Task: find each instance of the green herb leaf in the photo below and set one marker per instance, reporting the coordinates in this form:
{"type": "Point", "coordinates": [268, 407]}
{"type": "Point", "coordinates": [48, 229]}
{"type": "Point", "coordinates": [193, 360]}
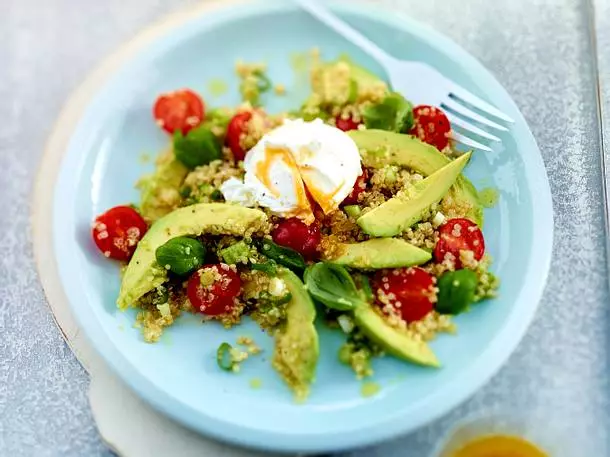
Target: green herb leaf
{"type": "Point", "coordinates": [182, 255]}
{"type": "Point", "coordinates": [456, 291]}
{"type": "Point", "coordinates": [223, 357]}
{"type": "Point", "coordinates": [332, 285]}
{"type": "Point", "coordinates": [394, 114]}
{"type": "Point", "coordinates": [269, 268]}
{"type": "Point", "coordinates": [282, 255]}
{"type": "Point", "coordinates": [199, 147]}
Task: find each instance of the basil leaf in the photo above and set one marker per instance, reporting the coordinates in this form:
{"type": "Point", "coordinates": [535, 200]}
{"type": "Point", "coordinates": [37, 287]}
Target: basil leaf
{"type": "Point", "coordinates": [269, 268]}
{"type": "Point", "coordinates": [282, 255]}
{"type": "Point", "coordinates": [456, 291]}
{"type": "Point", "coordinates": [332, 285]}
{"type": "Point", "coordinates": [181, 255]}
{"type": "Point", "coordinates": [198, 147]}
{"type": "Point", "coordinates": [364, 286]}
{"type": "Point", "coordinates": [394, 114]}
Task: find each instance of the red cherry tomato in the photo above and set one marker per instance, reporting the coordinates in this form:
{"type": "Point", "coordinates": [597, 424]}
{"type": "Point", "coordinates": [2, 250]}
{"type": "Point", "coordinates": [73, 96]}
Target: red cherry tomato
{"type": "Point", "coordinates": [295, 234]}
{"type": "Point", "coordinates": [459, 235]}
{"type": "Point", "coordinates": [216, 293]}
{"type": "Point", "coordinates": [180, 110]}
{"type": "Point", "coordinates": [409, 290]}
{"type": "Point", "coordinates": [346, 124]}
{"type": "Point", "coordinates": [237, 125]}
{"type": "Point", "coordinates": [359, 187]}
{"type": "Point", "coordinates": [431, 126]}
{"type": "Point", "coordinates": [118, 231]}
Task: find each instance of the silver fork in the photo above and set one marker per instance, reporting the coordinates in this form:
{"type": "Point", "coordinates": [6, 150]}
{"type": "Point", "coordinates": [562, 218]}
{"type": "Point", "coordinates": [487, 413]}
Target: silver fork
{"type": "Point", "coordinates": [422, 84]}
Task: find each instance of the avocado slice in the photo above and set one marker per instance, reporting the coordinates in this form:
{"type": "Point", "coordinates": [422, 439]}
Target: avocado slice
{"type": "Point", "coordinates": [143, 273]}
{"type": "Point", "coordinates": [380, 253]}
{"type": "Point", "coordinates": [406, 208]}
{"type": "Point", "coordinates": [379, 148]}
{"type": "Point", "coordinates": [160, 191]}
{"type": "Point", "coordinates": [296, 343]}
{"type": "Point", "coordinates": [397, 343]}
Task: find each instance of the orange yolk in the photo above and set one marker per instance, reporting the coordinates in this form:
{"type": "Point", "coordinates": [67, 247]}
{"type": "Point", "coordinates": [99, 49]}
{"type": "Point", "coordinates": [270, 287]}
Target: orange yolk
{"type": "Point", "coordinates": [263, 173]}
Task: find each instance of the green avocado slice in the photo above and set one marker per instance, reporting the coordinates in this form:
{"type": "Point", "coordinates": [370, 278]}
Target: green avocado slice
{"type": "Point", "coordinates": [396, 342]}
{"type": "Point", "coordinates": [160, 191]}
{"type": "Point", "coordinates": [143, 273]}
{"type": "Point", "coordinates": [379, 148]}
{"type": "Point", "coordinates": [380, 253]}
{"type": "Point", "coordinates": [406, 208]}
{"type": "Point", "coordinates": [296, 344]}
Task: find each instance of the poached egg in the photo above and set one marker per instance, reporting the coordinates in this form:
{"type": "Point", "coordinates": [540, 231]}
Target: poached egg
{"type": "Point", "coordinates": [294, 163]}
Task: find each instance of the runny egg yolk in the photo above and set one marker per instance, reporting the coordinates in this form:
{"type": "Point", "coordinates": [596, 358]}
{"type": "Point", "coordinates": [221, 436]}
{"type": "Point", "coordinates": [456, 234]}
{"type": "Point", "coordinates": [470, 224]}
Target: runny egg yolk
{"type": "Point", "coordinates": [263, 173]}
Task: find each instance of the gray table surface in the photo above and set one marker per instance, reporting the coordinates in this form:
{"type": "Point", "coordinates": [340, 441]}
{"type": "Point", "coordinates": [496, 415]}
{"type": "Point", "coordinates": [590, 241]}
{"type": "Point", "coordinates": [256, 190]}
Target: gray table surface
{"type": "Point", "coordinates": [541, 50]}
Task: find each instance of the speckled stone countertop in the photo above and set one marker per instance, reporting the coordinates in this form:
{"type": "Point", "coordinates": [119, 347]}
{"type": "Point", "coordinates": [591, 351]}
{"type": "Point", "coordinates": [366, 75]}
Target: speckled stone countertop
{"type": "Point", "coordinates": [541, 50]}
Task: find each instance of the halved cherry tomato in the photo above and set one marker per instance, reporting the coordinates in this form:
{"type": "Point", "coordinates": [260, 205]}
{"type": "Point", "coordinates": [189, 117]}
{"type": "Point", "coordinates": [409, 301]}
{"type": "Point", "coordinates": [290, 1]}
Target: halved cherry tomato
{"type": "Point", "coordinates": [359, 187]}
{"type": "Point", "coordinates": [431, 126]}
{"type": "Point", "coordinates": [212, 289]}
{"type": "Point", "coordinates": [346, 124]}
{"type": "Point", "coordinates": [117, 232]}
{"type": "Point", "coordinates": [237, 125]}
{"type": "Point", "coordinates": [295, 234]}
{"type": "Point", "coordinates": [459, 235]}
{"type": "Point", "coordinates": [411, 291]}
{"type": "Point", "coordinates": [181, 110]}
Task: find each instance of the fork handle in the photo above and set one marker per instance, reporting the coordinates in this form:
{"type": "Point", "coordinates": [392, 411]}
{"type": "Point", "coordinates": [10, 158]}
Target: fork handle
{"type": "Point", "coordinates": [324, 15]}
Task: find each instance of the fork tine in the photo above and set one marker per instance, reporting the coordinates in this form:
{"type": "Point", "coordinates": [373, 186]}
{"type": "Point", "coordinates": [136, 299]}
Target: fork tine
{"type": "Point", "coordinates": [468, 97]}
{"type": "Point", "coordinates": [466, 141]}
{"type": "Point", "coordinates": [470, 127]}
{"type": "Point", "coordinates": [458, 108]}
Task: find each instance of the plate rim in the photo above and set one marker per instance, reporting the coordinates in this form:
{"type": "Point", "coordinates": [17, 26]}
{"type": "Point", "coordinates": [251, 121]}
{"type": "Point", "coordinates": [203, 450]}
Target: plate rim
{"type": "Point", "coordinates": [78, 103]}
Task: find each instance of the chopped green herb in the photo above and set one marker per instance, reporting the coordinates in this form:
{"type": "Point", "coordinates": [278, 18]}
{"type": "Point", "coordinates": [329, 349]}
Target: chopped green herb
{"type": "Point", "coordinates": [224, 359]}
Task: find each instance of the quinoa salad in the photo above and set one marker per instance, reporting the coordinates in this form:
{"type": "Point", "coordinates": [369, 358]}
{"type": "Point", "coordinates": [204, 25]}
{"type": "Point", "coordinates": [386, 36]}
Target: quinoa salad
{"type": "Point", "coordinates": [350, 212]}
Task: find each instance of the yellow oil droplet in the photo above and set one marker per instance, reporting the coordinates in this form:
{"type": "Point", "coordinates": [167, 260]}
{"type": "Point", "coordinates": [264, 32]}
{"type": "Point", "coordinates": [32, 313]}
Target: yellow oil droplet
{"type": "Point", "coordinates": [489, 197]}
{"type": "Point", "coordinates": [369, 389]}
{"type": "Point", "coordinates": [299, 61]}
{"type": "Point", "coordinates": [256, 383]}
{"type": "Point", "coordinates": [217, 87]}
{"type": "Point", "coordinates": [500, 446]}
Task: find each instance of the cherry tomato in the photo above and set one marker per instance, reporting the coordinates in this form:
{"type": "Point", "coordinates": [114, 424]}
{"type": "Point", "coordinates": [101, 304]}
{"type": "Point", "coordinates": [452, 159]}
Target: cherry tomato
{"type": "Point", "coordinates": [181, 110]}
{"type": "Point", "coordinates": [237, 125]}
{"type": "Point", "coordinates": [431, 126]}
{"type": "Point", "coordinates": [409, 290]}
{"type": "Point", "coordinates": [212, 289]}
{"type": "Point", "coordinates": [118, 231]}
{"type": "Point", "coordinates": [459, 235]}
{"type": "Point", "coordinates": [295, 234]}
{"type": "Point", "coordinates": [359, 187]}
{"type": "Point", "coordinates": [346, 124]}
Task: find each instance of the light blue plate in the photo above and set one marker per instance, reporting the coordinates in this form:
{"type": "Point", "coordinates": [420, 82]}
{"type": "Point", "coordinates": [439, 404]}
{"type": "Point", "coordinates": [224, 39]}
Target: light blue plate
{"type": "Point", "coordinates": [179, 376]}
